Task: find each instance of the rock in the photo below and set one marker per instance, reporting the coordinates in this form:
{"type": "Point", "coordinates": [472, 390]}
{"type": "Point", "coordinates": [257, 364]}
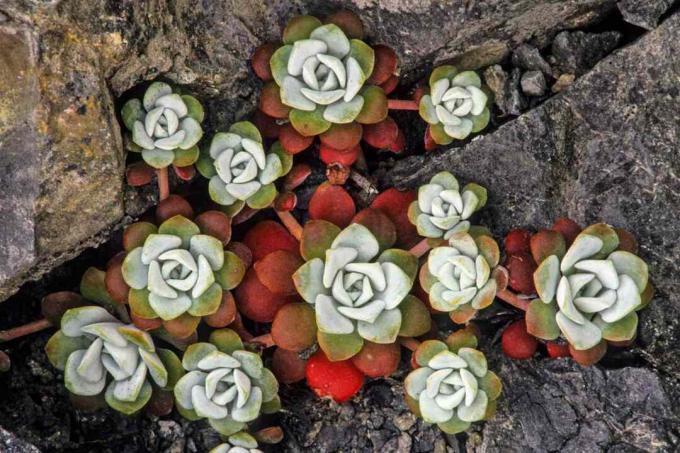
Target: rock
{"type": "Point", "coordinates": [506, 89]}
{"type": "Point", "coordinates": [9, 443]}
{"type": "Point", "coordinates": [644, 14]}
{"type": "Point", "coordinates": [605, 149]}
{"type": "Point", "coordinates": [576, 52]}
{"type": "Point", "coordinates": [528, 57]}
{"type": "Point", "coordinates": [556, 405]}
{"type": "Point", "coordinates": [563, 82]}
{"type": "Point", "coordinates": [533, 83]}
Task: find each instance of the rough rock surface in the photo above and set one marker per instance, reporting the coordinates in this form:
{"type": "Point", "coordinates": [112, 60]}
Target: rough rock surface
{"type": "Point", "coordinates": [62, 158]}
{"type": "Point", "coordinates": [644, 14]}
{"type": "Point", "coordinates": [576, 52]}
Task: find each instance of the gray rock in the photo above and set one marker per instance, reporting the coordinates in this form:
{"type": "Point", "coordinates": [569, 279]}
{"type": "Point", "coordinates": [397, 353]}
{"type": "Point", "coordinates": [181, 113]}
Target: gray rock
{"type": "Point", "coordinates": [528, 57]}
{"type": "Point", "coordinates": [605, 149]}
{"type": "Point", "coordinates": [61, 152]}
{"type": "Point", "coordinates": [9, 443]}
{"type": "Point", "coordinates": [644, 14]}
{"type": "Point", "coordinates": [533, 83]}
{"type": "Point", "coordinates": [576, 52]}
{"type": "Point", "coordinates": [506, 88]}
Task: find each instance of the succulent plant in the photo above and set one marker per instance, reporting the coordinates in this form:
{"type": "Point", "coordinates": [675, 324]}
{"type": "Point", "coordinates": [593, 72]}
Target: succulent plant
{"type": "Point", "coordinates": [458, 277]}
{"type": "Point", "coordinates": [93, 347]}
{"type": "Point", "coordinates": [589, 291]}
{"type": "Point", "coordinates": [240, 442]}
{"type": "Point", "coordinates": [357, 285]}
{"type": "Point", "coordinates": [165, 126]}
{"type": "Point", "coordinates": [455, 106]}
{"type": "Point", "coordinates": [177, 273]}
{"type": "Point", "coordinates": [225, 384]}
{"type": "Point", "coordinates": [452, 386]}
{"type": "Point", "coordinates": [443, 209]}
{"type": "Point", "coordinates": [239, 169]}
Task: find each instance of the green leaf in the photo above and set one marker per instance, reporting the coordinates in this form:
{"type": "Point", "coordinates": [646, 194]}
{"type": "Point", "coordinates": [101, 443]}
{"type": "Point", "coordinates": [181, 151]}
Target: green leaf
{"type": "Point", "coordinates": [622, 330]}
{"type": "Point", "coordinates": [317, 237]}
{"type": "Point", "coordinates": [479, 191]}
{"type": "Point", "coordinates": [269, 385]}
{"type": "Point", "coordinates": [364, 55]}
{"type": "Point", "coordinates": [195, 109]}
{"type": "Point", "coordinates": [406, 261]}
{"type": "Point", "coordinates": [454, 426]}
{"type": "Point", "coordinates": [462, 338]}
{"type": "Point", "coordinates": [93, 287]}
{"type": "Point", "coordinates": [375, 108]}
{"type": "Point", "coordinates": [279, 63]}
{"type": "Point", "coordinates": [132, 111]}
{"type": "Point", "coordinates": [340, 347]}
{"type": "Point", "coordinates": [311, 123]}
{"type": "Point", "coordinates": [631, 265]}
{"type": "Point", "coordinates": [264, 197]}
{"type": "Point", "coordinates": [128, 408]}
{"type": "Point", "coordinates": [226, 426]}
{"type": "Point", "coordinates": [158, 158]}
{"type": "Point", "coordinates": [205, 165]}
{"type": "Point", "coordinates": [427, 350]}
{"type": "Point", "coordinates": [181, 227]}
{"type": "Point", "coordinates": [439, 135]}
{"type": "Point", "coordinates": [286, 159]}
{"type": "Point", "coordinates": [246, 129]}
{"type": "Point", "coordinates": [232, 272]}
{"type": "Point", "coordinates": [272, 406]}
{"type": "Point", "coordinates": [608, 236]}
{"type": "Point", "coordinates": [300, 27]}
{"type": "Point", "coordinates": [233, 209]}
{"type": "Point", "coordinates": [491, 384]}
{"type": "Point", "coordinates": [442, 72]}
{"type": "Point", "coordinates": [194, 353]}
{"type": "Point", "coordinates": [139, 304]}
{"type": "Point", "coordinates": [226, 340]}
{"type": "Point", "coordinates": [59, 347]}
{"type": "Point", "coordinates": [415, 317]}
{"type": "Point", "coordinates": [540, 320]}
{"type": "Point", "coordinates": [466, 79]}
{"type": "Point", "coordinates": [208, 302]}
{"type": "Point", "coordinates": [173, 365]}
{"type": "Point", "coordinates": [480, 121]}
{"type": "Point", "coordinates": [185, 157]}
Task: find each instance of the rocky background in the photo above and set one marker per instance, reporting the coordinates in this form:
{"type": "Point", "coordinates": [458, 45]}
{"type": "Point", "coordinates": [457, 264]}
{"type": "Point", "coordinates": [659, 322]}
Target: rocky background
{"type": "Point", "coordinates": [586, 125]}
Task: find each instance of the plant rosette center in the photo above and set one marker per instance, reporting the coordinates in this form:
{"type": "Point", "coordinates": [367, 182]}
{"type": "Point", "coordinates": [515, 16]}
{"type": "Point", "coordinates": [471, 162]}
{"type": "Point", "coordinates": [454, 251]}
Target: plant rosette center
{"type": "Point", "coordinates": [591, 292]}
{"type": "Point", "coordinates": [354, 290]}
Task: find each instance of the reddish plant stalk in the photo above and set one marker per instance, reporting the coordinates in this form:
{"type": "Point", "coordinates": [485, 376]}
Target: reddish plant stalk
{"type": "Point", "coordinates": [409, 343]}
{"type": "Point", "coordinates": [26, 329]}
{"type": "Point", "coordinates": [163, 184]}
{"type": "Point", "coordinates": [291, 223]}
{"type": "Point", "coordinates": [420, 249]}
{"type": "Point", "coordinates": [402, 104]}
{"type": "Point", "coordinates": [266, 340]}
{"type": "Point", "coordinates": [513, 299]}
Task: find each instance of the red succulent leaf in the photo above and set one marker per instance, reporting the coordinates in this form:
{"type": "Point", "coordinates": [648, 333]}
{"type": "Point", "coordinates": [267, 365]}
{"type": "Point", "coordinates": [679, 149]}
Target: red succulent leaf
{"type": "Point", "coordinates": [419, 92]}
{"type": "Point", "coordinates": [260, 60]}
{"type": "Point", "coordinates": [268, 236]}
{"type": "Point", "coordinates": [517, 343]}
{"type": "Point", "coordinates": [332, 203]}
{"type": "Point", "coordinates": [115, 284]}
{"type": "Point", "coordinates": [54, 305]}
{"type": "Point", "coordinates": [242, 251]}
{"type": "Point", "coordinates": [255, 301]}
{"type": "Point", "coordinates": [183, 326]}
{"type": "Point", "coordinates": [399, 144]}
{"type": "Point", "coordinates": [294, 327]}
{"type": "Point", "coordinates": [546, 243]}
{"type": "Point", "coordinates": [517, 241]}
{"type": "Point", "coordinates": [296, 176]}
{"type": "Point", "coordinates": [385, 64]}
{"type": "Point", "coordinates": [161, 402]}
{"type": "Point", "coordinates": [390, 84]}
{"type": "Point", "coordinates": [292, 141]}
{"type": "Point", "coordinates": [275, 271]}
{"type": "Point", "coordinates": [285, 201]}
{"type": "Point", "coordinates": [185, 173]}
{"type": "Point", "coordinates": [266, 124]}
{"type": "Point", "coordinates": [287, 366]}
{"type": "Point", "coordinates": [394, 203]}
{"type": "Point", "coordinates": [349, 22]}
{"type": "Point", "coordinates": [379, 224]}
{"type": "Point", "coordinates": [270, 101]}
{"type": "Point", "coordinates": [521, 267]}
{"type": "Point", "coordinates": [428, 141]}
{"type": "Point", "coordinates": [377, 360]}
{"type": "Point", "coordinates": [146, 324]}
{"type": "Point", "coordinates": [627, 241]}
{"type": "Point", "coordinates": [225, 314]}
{"type": "Point", "coordinates": [139, 174]}
{"type": "Point", "coordinates": [556, 350]}
{"type": "Point", "coordinates": [136, 233]}
{"type": "Point", "coordinates": [216, 224]}
{"type": "Point", "coordinates": [590, 356]}
{"type": "Point", "coordinates": [337, 174]}
{"type": "Point", "coordinates": [344, 157]}
{"type": "Point", "coordinates": [172, 206]}
{"type": "Point", "coordinates": [381, 135]}
{"type": "Point", "coordinates": [568, 228]}
{"type": "Point", "coordinates": [244, 215]}
{"type": "Point", "coordinates": [342, 136]}
{"type": "Point", "coordinates": [338, 380]}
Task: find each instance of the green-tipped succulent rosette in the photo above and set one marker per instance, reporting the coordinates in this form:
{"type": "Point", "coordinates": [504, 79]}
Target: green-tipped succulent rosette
{"type": "Point", "coordinates": [459, 277]}
{"type": "Point", "coordinates": [225, 384]}
{"type": "Point", "coordinates": [101, 355]}
{"type": "Point", "coordinates": [241, 442]}
{"type": "Point", "coordinates": [452, 386]}
{"type": "Point", "coordinates": [240, 171]}
{"type": "Point", "coordinates": [178, 272]}
{"type": "Point", "coordinates": [165, 126]}
{"type": "Point", "coordinates": [590, 291]}
{"type": "Point", "coordinates": [443, 208]}
{"type": "Point", "coordinates": [359, 286]}
{"type": "Point", "coordinates": [455, 106]}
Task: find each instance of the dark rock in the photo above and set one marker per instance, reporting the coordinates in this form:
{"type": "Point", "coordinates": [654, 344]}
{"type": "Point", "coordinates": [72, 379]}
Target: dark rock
{"type": "Point", "coordinates": [528, 57]}
{"type": "Point", "coordinates": [506, 89]}
{"type": "Point", "coordinates": [576, 52]}
{"type": "Point", "coordinates": [605, 149]}
{"type": "Point", "coordinates": [9, 443]}
{"type": "Point", "coordinates": [644, 14]}
{"type": "Point", "coordinates": [533, 83]}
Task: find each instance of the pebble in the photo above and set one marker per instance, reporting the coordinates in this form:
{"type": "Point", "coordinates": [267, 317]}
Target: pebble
{"type": "Point", "coordinates": [405, 421]}
{"type": "Point", "coordinates": [528, 57]}
{"type": "Point", "coordinates": [563, 82]}
{"type": "Point", "coordinates": [533, 83]}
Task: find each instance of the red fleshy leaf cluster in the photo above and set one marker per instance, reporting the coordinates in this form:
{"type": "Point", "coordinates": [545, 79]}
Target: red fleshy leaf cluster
{"type": "Point", "coordinates": [338, 380]}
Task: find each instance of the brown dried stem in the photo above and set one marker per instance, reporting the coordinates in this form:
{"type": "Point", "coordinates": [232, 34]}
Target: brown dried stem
{"type": "Point", "coordinates": [26, 329]}
{"type": "Point", "coordinates": [291, 223]}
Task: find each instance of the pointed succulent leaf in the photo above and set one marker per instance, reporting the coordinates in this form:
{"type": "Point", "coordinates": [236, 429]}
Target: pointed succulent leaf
{"type": "Point", "coordinates": [540, 320]}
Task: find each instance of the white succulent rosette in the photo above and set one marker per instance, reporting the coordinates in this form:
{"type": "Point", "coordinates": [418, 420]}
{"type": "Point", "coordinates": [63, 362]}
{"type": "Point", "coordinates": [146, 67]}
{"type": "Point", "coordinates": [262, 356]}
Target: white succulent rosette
{"type": "Point", "coordinates": [460, 273]}
{"type": "Point", "coordinates": [455, 106]}
{"type": "Point", "coordinates": [323, 72]}
{"type": "Point", "coordinates": [443, 209]}
{"type": "Point", "coordinates": [239, 169]}
{"type": "Point", "coordinates": [596, 288]}
{"type": "Point", "coordinates": [94, 348]}
{"type": "Point", "coordinates": [165, 125]}
{"type": "Point", "coordinates": [452, 389]}
{"type": "Point", "coordinates": [353, 289]}
{"type": "Point", "coordinates": [227, 388]}
{"type": "Point", "coordinates": [238, 443]}
{"type": "Point", "coordinates": [177, 270]}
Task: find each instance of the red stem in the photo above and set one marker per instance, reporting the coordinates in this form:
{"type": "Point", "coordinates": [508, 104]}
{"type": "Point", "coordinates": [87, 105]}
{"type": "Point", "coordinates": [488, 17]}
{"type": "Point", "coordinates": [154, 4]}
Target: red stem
{"type": "Point", "coordinates": [291, 223]}
{"type": "Point", "coordinates": [513, 299]}
{"type": "Point", "coordinates": [402, 104]}
{"type": "Point", "coordinates": [163, 184]}
{"type": "Point", "coordinates": [26, 329]}
{"type": "Point", "coordinates": [420, 248]}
